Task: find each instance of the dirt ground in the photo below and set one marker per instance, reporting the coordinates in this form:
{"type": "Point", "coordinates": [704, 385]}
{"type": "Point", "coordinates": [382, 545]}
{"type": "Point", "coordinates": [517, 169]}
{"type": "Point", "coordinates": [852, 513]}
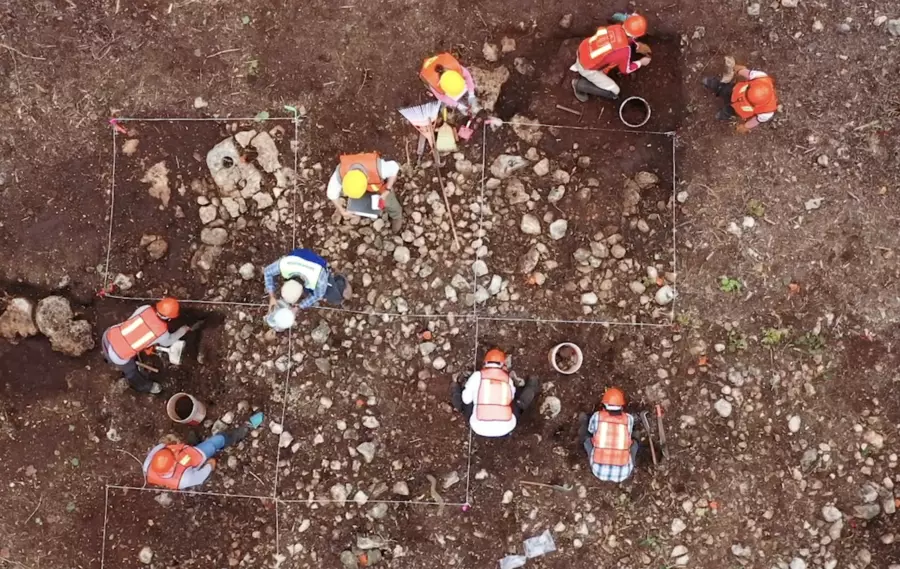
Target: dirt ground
{"type": "Point", "coordinates": [776, 365]}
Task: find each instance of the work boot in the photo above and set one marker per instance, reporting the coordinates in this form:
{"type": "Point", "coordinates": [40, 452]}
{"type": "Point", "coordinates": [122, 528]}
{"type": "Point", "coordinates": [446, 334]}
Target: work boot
{"type": "Point", "coordinates": [724, 114]}
{"type": "Point", "coordinates": [156, 388]}
{"type": "Point", "coordinates": [456, 396]}
{"type": "Point", "coordinates": [528, 393]}
{"type": "Point", "coordinates": [397, 224]}
{"type": "Point", "coordinates": [712, 83]}
{"type": "Point", "coordinates": [235, 436]}
{"type": "Point", "coordinates": [578, 94]}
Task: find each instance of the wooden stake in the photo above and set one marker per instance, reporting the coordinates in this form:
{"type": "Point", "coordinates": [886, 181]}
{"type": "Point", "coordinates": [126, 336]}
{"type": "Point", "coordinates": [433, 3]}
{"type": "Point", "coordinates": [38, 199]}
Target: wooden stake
{"type": "Point", "coordinates": [568, 110]}
{"type": "Point", "coordinates": [437, 162]}
{"type": "Point", "coordinates": [147, 367]}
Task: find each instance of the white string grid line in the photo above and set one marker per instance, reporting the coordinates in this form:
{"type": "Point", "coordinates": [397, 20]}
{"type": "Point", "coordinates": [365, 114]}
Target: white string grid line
{"type": "Point", "coordinates": [474, 316]}
{"type": "Point", "coordinates": [198, 119]}
{"type": "Point", "coordinates": [112, 209]}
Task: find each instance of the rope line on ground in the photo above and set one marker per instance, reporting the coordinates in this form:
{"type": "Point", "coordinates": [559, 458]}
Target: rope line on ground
{"type": "Point", "coordinates": [112, 209]}
{"type": "Point", "coordinates": [674, 227]}
{"type": "Point", "coordinates": [198, 119]}
{"type": "Point", "coordinates": [670, 133]}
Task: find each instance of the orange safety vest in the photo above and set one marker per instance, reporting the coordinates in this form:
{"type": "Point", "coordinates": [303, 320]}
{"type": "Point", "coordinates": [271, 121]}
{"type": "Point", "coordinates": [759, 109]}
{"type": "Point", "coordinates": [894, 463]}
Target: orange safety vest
{"type": "Point", "coordinates": [594, 50]}
{"type": "Point", "coordinates": [368, 161]}
{"type": "Point", "coordinates": [185, 457]}
{"type": "Point", "coordinates": [494, 396]}
{"type": "Point", "coordinates": [612, 441]}
{"type": "Point", "coordinates": [136, 333]}
{"type": "Point", "coordinates": [429, 72]}
{"type": "Point", "coordinates": [744, 108]}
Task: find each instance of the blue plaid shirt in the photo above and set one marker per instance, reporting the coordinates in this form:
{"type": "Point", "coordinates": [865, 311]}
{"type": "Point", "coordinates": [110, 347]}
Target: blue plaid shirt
{"type": "Point", "coordinates": [609, 472]}
{"type": "Point", "coordinates": [316, 294]}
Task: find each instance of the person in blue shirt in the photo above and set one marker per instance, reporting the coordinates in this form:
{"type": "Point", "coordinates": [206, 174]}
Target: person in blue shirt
{"type": "Point", "coordinates": [313, 272]}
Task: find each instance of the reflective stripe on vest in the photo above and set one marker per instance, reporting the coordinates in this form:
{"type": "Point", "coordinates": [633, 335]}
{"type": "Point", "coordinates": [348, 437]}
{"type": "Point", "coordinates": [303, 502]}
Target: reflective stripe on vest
{"type": "Point", "coordinates": [612, 441]}
{"type": "Point", "coordinates": [136, 333]}
{"type": "Point", "coordinates": [368, 163]}
{"type": "Point", "coordinates": [309, 271]}
{"type": "Point", "coordinates": [429, 72]}
{"type": "Point", "coordinates": [185, 457]}
{"type": "Point", "coordinates": [593, 51]}
{"type": "Point", "coordinates": [495, 397]}
{"type": "Point", "coordinates": [744, 108]}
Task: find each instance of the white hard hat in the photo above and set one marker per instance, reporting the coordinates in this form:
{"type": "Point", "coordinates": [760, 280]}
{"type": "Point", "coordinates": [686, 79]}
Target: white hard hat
{"type": "Point", "coordinates": [291, 291]}
{"type": "Point", "coordinates": [282, 319]}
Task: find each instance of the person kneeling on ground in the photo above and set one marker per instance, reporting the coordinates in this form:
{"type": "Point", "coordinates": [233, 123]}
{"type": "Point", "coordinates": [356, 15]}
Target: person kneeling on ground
{"type": "Point", "coordinates": [146, 327]}
{"type": "Point", "coordinates": [359, 175]}
{"type": "Point", "coordinates": [180, 466]}
{"type": "Point", "coordinates": [610, 448]}
{"type": "Point", "coordinates": [450, 82]}
{"type": "Point", "coordinates": [312, 270]}
{"type": "Point", "coordinates": [751, 98]}
{"type": "Point", "coordinates": [608, 49]}
{"type": "Point", "coordinates": [489, 399]}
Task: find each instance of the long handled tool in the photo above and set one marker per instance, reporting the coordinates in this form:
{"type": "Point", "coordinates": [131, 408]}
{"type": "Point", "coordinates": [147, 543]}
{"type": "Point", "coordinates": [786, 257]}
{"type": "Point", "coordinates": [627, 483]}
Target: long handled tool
{"type": "Point", "coordinates": [646, 422]}
{"type": "Point", "coordinates": [662, 432]}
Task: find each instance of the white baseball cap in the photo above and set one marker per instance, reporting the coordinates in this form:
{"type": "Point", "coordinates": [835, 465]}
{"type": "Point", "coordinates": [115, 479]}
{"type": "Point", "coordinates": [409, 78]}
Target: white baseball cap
{"type": "Point", "coordinates": [291, 291]}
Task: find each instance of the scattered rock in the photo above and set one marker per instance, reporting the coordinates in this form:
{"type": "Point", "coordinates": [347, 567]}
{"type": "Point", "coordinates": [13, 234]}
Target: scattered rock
{"type": "Point", "coordinates": [18, 319]}
{"type": "Point", "coordinates": [507, 45]}
{"type": "Point", "coordinates": [723, 408]}
{"type": "Point", "coordinates": [320, 333]}
{"type": "Point", "coordinates": [264, 200]}
{"type": "Point", "coordinates": [617, 251]}
{"type": "Point", "coordinates": [790, 4]}
{"type": "Point", "coordinates": [439, 363]}
{"type": "Point", "coordinates": [794, 424]}
{"type": "Point", "coordinates": [214, 236]}
{"type": "Point", "coordinates": [246, 271]}
{"type": "Point", "coordinates": [400, 488]}
{"type": "Point", "coordinates": [678, 526]}
{"type": "Point", "coordinates": [526, 129]}
{"type": "Point", "coordinates": [506, 164]}
{"type": "Point", "coordinates": [566, 21]}
{"type": "Point", "coordinates": [267, 152]}
{"type": "Point", "coordinates": [450, 479]}
{"type": "Point", "coordinates": [208, 213]}
{"type": "Point", "coordinates": [523, 66]}
{"type": "Point", "coordinates": [349, 560]}
{"type": "Point", "coordinates": [490, 52]}
{"type": "Point", "coordinates": [488, 85]}
{"type": "Point", "coordinates": [797, 562]}
{"type": "Point", "coordinates": [556, 194]}
{"type": "Point", "coordinates": [479, 268]}
{"type": "Point", "coordinates": [244, 137]}
{"type": "Point", "coordinates": [589, 299]}
{"type": "Point", "coordinates": [146, 555]}
{"type": "Point", "coordinates": [158, 178]}
{"type": "Point", "coordinates": [874, 439]}
{"type": "Point", "coordinates": [530, 260]}
{"type": "Point", "coordinates": [130, 146]}
{"type": "Point", "coordinates": [753, 9]}
{"type": "Point", "coordinates": [164, 499]}
{"type": "Point", "coordinates": [831, 514]}
{"type": "Point", "coordinates": [550, 407]}
{"type": "Point", "coordinates": [558, 229]}
{"type": "Point", "coordinates": [515, 192]}
{"type": "Point", "coordinates": [646, 180]}
{"type": "Point", "coordinates": [402, 255]}
{"type": "Point", "coordinates": [53, 318]}
{"type": "Point", "coordinates": [893, 27]}
{"type": "Point", "coordinates": [200, 103]}
{"type": "Point", "coordinates": [664, 295]}
{"type": "Point", "coordinates": [866, 511]}
{"type": "Point", "coordinates": [367, 450]}
{"type": "Point", "coordinates": [542, 168]}
{"type": "Point", "coordinates": [530, 225]}
{"type": "Point", "coordinates": [223, 160]}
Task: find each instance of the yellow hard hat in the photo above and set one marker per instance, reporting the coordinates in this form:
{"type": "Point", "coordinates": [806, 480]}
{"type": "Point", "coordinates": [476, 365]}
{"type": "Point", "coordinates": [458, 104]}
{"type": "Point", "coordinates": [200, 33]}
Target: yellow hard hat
{"type": "Point", "coordinates": [453, 84]}
{"type": "Point", "coordinates": [354, 184]}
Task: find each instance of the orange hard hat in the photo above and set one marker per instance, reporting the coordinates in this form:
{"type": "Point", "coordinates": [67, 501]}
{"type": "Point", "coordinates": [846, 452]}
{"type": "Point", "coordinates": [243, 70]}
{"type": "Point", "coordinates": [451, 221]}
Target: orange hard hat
{"type": "Point", "coordinates": [495, 358]}
{"type": "Point", "coordinates": [759, 92]}
{"type": "Point", "coordinates": [635, 25]}
{"type": "Point", "coordinates": [163, 461]}
{"type": "Point", "coordinates": [613, 397]}
{"type": "Point", "coordinates": [167, 308]}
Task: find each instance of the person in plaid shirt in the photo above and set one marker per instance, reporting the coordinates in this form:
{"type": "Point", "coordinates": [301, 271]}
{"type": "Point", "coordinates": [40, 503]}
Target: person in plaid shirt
{"type": "Point", "coordinates": [610, 448]}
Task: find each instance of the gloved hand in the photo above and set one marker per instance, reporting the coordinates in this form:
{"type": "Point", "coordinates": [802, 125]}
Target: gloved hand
{"type": "Point", "coordinates": [644, 61]}
{"type": "Point", "coordinates": [741, 129]}
{"type": "Point", "coordinates": [643, 48]}
{"type": "Point", "coordinates": [738, 68]}
{"type": "Point", "coordinates": [619, 17]}
{"type": "Point", "coordinates": [150, 351]}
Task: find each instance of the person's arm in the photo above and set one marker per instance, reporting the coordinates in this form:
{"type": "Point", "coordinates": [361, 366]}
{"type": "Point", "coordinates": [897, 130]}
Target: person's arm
{"type": "Point", "coordinates": [339, 206]}
{"type": "Point", "coordinates": [168, 339]}
{"type": "Point", "coordinates": [318, 293]}
{"type": "Point", "coordinates": [448, 101]}
{"type": "Point", "coordinates": [594, 423]}
{"type": "Point", "coordinates": [472, 99]}
{"type": "Point", "coordinates": [269, 275]}
{"type": "Point", "coordinates": [334, 192]}
{"type": "Point", "coordinates": [195, 476]}
{"type": "Point", "coordinates": [622, 59]}
{"type": "Point", "coordinates": [631, 423]}
{"type": "Point", "coordinates": [471, 390]}
{"type": "Point", "coordinates": [389, 170]}
{"type": "Point", "coordinates": [747, 126]}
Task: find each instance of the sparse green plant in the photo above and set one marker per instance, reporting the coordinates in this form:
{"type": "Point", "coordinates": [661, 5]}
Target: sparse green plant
{"type": "Point", "coordinates": [650, 542]}
{"type": "Point", "coordinates": [756, 208]}
{"type": "Point", "coordinates": [728, 284]}
{"type": "Point", "coordinates": [811, 343]}
{"type": "Point", "coordinates": [684, 319]}
{"type": "Point", "coordinates": [737, 342]}
{"type": "Point", "coordinates": [774, 336]}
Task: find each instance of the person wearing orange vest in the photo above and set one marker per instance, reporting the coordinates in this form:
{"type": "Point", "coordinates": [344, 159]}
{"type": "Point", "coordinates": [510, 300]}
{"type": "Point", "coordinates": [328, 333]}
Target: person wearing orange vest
{"type": "Point", "coordinates": [147, 326]}
{"type": "Point", "coordinates": [608, 49]}
{"type": "Point", "coordinates": [366, 173]}
{"type": "Point", "coordinates": [449, 81]}
{"type": "Point", "coordinates": [489, 400]}
{"type": "Point", "coordinates": [750, 97]}
{"type": "Point", "coordinates": [180, 466]}
{"type": "Point", "coordinates": [610, 448]}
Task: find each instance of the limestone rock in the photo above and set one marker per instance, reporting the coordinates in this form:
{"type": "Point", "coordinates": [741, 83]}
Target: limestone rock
{"type": "Point", "coordinates": [530, 225]}
{"type": "Point", "coordinates": [158, 178]}
{"type": "Point", "coordinates": [54, 318]}
{"type": "Point", "coordinates": [526, 129]}
{"type": "Point", "coordinates": [267, 156]}
{"type": "Point", "coordinates": [488, 85]}
{"type": "Point", "coordinates": [18, 319]}
{"type": "Point", "coordinates": [558, 229]}
{"type": "Point", "coordinates": [215, 236]}
{"type": "Point", "coordinates": [515, 192]}
{"type": "Point", "coordinates": [505, 164]}
{"type": "Point", "coordinates": [223, 161]}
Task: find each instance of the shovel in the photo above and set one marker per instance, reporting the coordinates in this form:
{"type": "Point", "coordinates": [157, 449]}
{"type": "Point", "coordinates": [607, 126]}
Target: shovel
{"type": "Point", "coordinates": [174, 351]}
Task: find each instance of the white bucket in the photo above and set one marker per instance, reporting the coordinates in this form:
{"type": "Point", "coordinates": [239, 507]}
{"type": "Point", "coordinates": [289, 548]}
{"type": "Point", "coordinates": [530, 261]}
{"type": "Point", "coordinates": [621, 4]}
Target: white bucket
{"type": "Point", "coordinates": [184, 408]}
{"type": "Point", "coordinates": [639, 101]}
{"type": "Point", "coordinates": [579, 358]}
{"type": "Point", "coordinates": [281, 318]}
